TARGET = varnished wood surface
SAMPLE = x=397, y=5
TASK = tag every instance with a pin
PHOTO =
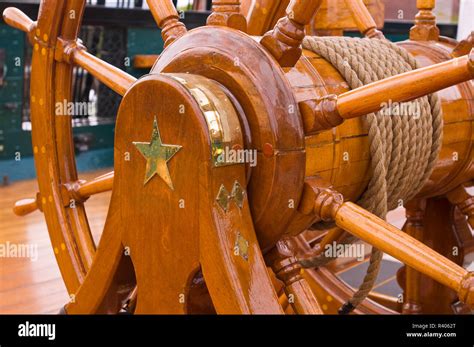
x=423, y=259
x=332, y=17
x=363, y=18
x=167, y=18
x=277, y=137
x=55, y=48
x=36, y=286
x=314, y=77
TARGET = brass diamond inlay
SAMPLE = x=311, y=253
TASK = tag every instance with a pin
x=223, y=197
x=238, y=194
x=242, y=246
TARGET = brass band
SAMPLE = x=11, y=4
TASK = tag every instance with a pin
x=221, y=117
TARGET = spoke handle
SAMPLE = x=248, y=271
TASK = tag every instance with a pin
x=363, y=19
x=284, y=41
x=167, y=18
x=322, y=201
x=406, y=87
x=331, y=110
x=79, y=191
x=25, y=207
x=18, y=20
x=407, y=249
x=302, y=11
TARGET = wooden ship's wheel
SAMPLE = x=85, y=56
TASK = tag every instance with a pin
x=195, y=227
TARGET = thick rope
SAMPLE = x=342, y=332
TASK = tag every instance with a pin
x=403, y=148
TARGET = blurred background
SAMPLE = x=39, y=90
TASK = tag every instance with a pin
x=117, y=31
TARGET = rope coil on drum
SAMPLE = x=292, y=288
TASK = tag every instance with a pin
x=404, y=146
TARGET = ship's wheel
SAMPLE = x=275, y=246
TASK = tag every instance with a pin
x=188, y=231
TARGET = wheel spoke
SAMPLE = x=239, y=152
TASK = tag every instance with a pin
x=98, y=185
x=113, y=77
x=331, y=110
x=72, y=51
x=167, y=18
x=227, y=13
x=329, y=205
x=79, y=191
x=363, y=19
x=284, y=41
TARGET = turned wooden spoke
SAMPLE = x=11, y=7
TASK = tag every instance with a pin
x=144, y=61
x=406, y=87
x=99, y=185
x=167, y=18
x=284, y=41
x=462, y=199
x=333, y=235
x=464, y=46
x=425, y=28
x=17, y=19
x=227, y=13
x=287, y=269
x=363, y=19
x=78, y=191
x=328, y=204
x=25, y=206
x=74, y=52
x=405, y=248
x=114, y=78
x=331, y=110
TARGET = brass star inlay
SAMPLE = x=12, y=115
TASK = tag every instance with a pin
x=157, y=155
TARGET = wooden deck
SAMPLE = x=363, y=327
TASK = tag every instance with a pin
x=28, y=286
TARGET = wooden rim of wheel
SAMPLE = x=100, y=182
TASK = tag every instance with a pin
x=56, y=53
x=52, y=141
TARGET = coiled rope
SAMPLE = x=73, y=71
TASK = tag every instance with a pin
x=403, y=147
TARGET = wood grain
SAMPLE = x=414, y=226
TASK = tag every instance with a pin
x=28, y=286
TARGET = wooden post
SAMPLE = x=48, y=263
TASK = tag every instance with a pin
x=463, y=200
x=425, y=28
x=284, y=41
x=363, y=19
x=167, y=18
x=414, y=227
x=227, y=13
x=287, y=269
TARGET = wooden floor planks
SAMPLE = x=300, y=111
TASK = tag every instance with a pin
x=28, y=286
